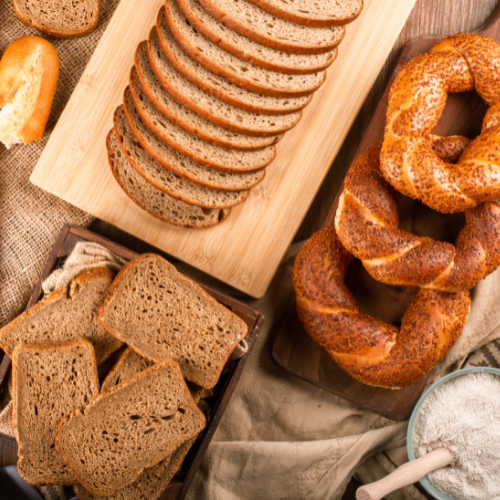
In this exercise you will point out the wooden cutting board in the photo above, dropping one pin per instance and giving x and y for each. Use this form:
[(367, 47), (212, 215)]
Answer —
[(294, 350), (246, 250)]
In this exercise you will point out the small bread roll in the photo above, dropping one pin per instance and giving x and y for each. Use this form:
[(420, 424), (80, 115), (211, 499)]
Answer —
[(29, 69)]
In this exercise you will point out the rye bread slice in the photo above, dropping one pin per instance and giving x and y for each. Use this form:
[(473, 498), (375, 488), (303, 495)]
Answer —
[(262, 27), (165, 180), (232, 68), (66, 314), (321, 13), (185, 118), (209, 107), (202, 157), (156, 202), (162, 314), (49, 381), (129, 428), (253, 52), (59, 18), (218, 86)]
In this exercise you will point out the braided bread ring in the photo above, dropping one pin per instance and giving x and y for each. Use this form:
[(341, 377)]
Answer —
[(371, 351), (417, 98), (367, 225)]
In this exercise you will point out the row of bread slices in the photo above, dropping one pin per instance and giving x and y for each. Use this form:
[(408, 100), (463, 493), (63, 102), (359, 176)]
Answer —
[(212, 91), (127, 438)]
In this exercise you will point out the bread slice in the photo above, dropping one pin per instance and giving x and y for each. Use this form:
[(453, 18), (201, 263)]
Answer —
[(165, 180), (220, 87), (262, 27), (49, 382), (154, 201), (59, 18), (253, 52), (185, 118), (129, 428), (321, 13), (232, 68), (209, 107), (202, 157), (162, 314), (66, 314)]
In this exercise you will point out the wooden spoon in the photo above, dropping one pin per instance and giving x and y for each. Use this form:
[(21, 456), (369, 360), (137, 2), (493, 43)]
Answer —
[(406, 474)]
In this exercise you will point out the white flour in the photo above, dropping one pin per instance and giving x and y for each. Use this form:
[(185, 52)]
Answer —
[(463, 415)]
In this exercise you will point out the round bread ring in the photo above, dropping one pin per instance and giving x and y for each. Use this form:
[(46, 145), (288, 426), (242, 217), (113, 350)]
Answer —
[(367, 225), (417, 98), (371, 351)]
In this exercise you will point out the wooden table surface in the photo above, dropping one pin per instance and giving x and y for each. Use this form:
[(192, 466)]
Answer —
[(429, 17)]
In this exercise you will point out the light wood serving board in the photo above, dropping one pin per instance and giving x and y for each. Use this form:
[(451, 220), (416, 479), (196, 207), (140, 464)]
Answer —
[(245, 250)]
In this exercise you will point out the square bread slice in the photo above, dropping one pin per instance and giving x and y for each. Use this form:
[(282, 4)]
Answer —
[(162, 314), (66, 314), (129, 428), (49, 381)]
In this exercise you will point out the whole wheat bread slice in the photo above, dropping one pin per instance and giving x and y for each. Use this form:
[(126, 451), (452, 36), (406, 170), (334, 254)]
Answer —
[(185, 118), (321, 13), (165, 180), (59, 18), (66, 314), (152, 200), (253, 52), (162, 314), (49, 381), (262, 27), (232, 68), (221, 87), (202, 157), (209, 107), (129, 428)]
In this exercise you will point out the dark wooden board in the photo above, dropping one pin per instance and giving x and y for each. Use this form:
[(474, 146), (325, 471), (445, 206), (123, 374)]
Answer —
[(66, 241), (294, 350)]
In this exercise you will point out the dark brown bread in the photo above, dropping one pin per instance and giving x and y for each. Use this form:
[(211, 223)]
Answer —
[(49, 381), (129, 428), (162, 314), (66, 314)]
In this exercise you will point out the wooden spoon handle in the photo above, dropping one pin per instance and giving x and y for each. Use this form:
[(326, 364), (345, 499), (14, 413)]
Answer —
[(405, 475)]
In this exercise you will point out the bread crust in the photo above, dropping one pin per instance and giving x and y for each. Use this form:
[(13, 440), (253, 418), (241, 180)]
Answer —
[(12, 63)]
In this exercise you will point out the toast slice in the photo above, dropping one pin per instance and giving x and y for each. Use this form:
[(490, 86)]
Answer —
[(49, 382), (66, 314), (238, 71), (129, 428), (253, 52), (59, 18), (162, 314), (209, 107), (156, 202)]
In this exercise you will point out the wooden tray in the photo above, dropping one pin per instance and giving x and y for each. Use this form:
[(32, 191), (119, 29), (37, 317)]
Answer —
[(66, 241), (245, 250), (294, 350)]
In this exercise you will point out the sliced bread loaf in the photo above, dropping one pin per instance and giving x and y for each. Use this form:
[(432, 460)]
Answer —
[(320, 13), (156, 202), (253, 52), (217, 85), (184, 117), (59, 18), (49, 381), (128, 428), (168, 137), (162, 314), (165, 180), (209, 107), (232, 68), (66, 314), (262, 27)]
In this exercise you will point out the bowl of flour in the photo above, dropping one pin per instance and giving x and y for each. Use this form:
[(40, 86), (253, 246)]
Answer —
[(460, 412)]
